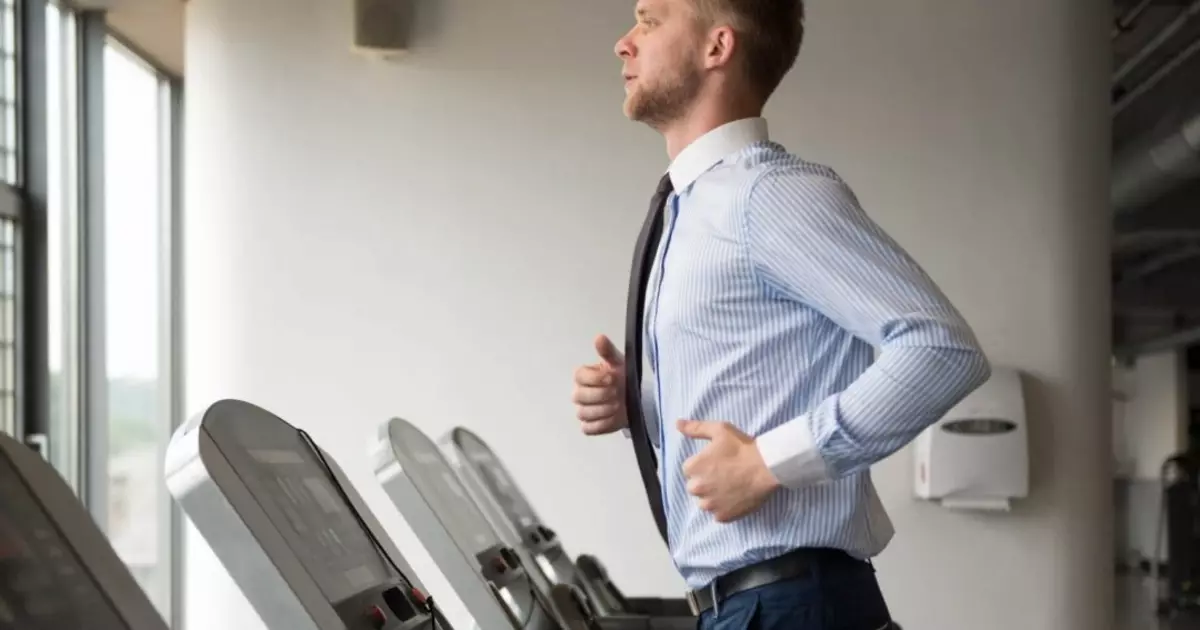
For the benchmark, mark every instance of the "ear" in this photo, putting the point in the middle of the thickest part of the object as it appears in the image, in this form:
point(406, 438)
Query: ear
point(720, 46)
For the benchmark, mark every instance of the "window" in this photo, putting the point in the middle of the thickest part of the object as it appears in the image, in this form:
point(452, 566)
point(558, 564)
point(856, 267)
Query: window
point(8, 98)
point(62, 243)
point(137, 315)
point(8, 333)
point(8, 220)
point(109, 352)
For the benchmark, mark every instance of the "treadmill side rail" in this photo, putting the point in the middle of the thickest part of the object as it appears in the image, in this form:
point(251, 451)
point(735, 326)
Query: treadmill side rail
point(572, 609)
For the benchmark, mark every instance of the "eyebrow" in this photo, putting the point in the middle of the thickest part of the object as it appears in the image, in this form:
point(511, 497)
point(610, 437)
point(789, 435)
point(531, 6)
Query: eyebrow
point(642, 11)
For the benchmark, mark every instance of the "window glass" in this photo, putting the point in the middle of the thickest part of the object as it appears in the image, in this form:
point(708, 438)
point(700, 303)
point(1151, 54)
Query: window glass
point(137, 389)
point(9, 147)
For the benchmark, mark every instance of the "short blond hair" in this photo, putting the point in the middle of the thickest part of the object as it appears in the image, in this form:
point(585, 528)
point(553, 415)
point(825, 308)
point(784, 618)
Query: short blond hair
point(769, 31)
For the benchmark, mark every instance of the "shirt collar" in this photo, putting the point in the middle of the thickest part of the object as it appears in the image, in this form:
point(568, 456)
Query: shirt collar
point(709, 149)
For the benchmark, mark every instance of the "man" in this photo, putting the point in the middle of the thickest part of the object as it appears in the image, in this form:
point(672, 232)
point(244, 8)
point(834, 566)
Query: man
point(758, 292)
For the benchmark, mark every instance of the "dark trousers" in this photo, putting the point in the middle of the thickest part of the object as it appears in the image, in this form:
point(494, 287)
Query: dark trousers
point(845, 598)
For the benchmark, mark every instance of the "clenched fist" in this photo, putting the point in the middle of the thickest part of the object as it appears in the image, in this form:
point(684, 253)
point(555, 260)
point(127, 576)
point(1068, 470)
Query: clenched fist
point(728, 476)
point(600, 391)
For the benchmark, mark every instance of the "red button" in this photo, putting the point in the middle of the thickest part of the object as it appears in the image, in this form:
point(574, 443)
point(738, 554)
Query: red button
point(375, 614)
point(418, 595)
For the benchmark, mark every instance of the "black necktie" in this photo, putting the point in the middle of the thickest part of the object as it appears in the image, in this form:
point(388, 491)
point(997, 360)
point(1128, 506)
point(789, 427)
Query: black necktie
point(639, 274)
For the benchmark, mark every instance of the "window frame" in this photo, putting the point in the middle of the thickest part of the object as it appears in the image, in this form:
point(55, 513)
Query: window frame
point(32, 181)
point(26, 200)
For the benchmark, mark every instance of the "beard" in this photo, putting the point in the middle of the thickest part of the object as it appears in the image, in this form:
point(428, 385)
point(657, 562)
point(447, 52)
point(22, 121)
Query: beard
point(664, 101)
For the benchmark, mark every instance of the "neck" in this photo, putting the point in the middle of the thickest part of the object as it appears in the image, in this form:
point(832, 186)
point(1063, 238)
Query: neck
point(700, 121)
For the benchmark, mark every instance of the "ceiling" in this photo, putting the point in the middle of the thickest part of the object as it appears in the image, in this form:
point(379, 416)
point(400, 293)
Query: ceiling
point(153, 27)
point(1156, 175)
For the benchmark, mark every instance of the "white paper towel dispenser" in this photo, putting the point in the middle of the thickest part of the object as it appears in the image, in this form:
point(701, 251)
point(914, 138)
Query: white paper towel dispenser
point(977, 455)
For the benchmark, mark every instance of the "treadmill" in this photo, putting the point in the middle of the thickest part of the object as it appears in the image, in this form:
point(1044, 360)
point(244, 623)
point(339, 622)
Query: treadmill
point(289, 527)
point(422, 482)
point(510, 513)
point(57, 569)
point(497, 588)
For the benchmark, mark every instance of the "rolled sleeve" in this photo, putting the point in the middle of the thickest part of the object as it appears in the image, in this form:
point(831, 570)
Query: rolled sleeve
point(791, 454)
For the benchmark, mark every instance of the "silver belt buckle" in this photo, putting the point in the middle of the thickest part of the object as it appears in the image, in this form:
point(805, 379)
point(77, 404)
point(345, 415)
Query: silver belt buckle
point(693, 605)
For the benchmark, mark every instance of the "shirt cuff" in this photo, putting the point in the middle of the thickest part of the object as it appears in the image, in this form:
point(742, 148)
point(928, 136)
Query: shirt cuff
point(790, 454)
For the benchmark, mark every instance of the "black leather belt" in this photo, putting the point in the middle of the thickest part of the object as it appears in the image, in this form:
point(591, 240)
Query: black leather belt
point(795, 564)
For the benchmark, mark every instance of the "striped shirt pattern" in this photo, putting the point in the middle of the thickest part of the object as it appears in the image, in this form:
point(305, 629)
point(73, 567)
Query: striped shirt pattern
point(770, 293)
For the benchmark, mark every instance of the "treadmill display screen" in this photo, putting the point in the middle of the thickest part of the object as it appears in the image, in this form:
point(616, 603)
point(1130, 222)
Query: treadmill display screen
point(433, 477)
point(488, 466)
point(43, 585)
point(285, 475)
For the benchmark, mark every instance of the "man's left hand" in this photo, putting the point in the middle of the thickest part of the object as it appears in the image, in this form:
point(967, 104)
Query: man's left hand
point(728, 475)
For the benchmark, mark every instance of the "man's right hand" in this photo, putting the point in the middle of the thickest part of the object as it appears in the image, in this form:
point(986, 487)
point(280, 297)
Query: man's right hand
point(600, 391)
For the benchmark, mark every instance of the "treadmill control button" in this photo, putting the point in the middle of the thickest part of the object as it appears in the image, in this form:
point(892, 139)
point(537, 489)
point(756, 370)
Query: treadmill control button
point(377, 617)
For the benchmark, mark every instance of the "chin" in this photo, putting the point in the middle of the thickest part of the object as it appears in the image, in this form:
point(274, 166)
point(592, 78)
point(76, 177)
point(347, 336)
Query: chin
point(634, 110)
point(634, 105)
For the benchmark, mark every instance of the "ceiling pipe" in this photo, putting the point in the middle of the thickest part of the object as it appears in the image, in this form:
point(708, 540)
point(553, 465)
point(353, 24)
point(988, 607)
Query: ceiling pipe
point(1151, 168)
point(1178, 59)
point(1123, 242)
point(1152, 46)
point(1162, 261)
point(1179, 339)
point(1124, 23)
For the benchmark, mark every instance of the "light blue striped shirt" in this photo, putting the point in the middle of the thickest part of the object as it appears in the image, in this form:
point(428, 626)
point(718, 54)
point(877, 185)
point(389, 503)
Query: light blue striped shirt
point(769, 294)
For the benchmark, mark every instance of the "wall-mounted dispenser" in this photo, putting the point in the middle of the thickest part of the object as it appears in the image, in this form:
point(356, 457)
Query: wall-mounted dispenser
point(976, 457)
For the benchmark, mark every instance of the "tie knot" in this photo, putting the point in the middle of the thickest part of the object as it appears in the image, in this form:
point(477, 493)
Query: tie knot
point(665, 187)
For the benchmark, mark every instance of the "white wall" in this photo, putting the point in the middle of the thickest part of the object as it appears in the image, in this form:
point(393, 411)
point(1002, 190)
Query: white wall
point(1150, 421)
point(1152, 418)
point(441, 237)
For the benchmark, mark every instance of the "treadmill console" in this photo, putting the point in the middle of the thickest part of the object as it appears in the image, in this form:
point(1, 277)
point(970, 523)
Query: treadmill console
point(57, 569)
point(478, 456)
point(511, 513)
point(293, 533)
point(506, 507)
point(487, 573)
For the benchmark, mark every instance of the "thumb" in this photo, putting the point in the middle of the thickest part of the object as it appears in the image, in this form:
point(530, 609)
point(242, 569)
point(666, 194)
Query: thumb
point(608, 351)
point(698, 429)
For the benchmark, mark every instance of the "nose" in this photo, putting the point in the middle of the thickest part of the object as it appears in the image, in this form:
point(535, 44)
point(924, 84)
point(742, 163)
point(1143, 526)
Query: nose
point(624, 48)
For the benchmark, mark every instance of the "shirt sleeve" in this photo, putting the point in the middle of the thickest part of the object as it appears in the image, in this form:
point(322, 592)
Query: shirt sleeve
point(809, 240)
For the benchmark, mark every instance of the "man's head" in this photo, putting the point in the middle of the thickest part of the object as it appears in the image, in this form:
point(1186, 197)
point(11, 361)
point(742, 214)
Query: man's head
point(717, 53)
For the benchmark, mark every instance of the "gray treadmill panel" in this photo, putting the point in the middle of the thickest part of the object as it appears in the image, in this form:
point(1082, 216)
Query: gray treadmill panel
point(57, 568)
point(282, 470)
point(481, 458)
point(433, 477)
point(43, 585)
